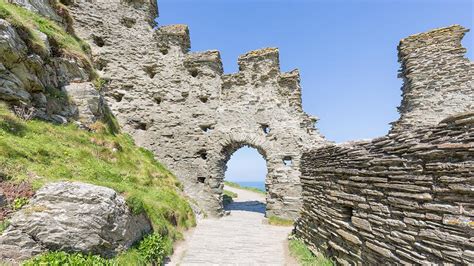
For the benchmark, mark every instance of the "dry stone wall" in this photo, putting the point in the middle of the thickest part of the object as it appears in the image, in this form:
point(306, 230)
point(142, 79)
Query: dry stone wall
point(181, 105)
point(408, 197)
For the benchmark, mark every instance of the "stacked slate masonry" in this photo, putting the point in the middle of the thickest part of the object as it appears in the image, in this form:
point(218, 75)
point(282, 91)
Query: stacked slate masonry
point(407, 197)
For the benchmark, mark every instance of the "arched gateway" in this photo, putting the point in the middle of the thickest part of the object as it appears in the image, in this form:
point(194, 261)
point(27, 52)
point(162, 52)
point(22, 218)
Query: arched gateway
point(192, 116)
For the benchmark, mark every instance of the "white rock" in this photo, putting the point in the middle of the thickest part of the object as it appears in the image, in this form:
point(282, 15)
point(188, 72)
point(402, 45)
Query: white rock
point(74, 217)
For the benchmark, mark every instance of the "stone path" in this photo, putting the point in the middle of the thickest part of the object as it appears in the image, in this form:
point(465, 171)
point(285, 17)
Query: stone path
point(240, 238)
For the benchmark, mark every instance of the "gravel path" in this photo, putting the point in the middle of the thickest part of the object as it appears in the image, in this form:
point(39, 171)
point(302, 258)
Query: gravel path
point(240, 238)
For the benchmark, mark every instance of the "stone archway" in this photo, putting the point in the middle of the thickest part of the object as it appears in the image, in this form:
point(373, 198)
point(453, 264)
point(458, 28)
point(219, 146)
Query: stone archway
point(283, 189)
point(224, 154)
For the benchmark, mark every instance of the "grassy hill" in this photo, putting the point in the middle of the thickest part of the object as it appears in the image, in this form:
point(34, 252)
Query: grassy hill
point(38, 152)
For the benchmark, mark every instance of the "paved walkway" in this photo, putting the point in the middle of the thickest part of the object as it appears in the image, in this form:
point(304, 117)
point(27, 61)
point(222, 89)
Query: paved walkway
point(240, 238)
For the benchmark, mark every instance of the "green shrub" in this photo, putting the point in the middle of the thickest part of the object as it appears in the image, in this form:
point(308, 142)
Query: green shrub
point(18, 203)
point(60, 258)
point(150, 251)
point(153, 249)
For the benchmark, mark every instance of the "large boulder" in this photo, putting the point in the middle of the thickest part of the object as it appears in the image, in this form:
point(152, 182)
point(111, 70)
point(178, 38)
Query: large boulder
point(74, 217)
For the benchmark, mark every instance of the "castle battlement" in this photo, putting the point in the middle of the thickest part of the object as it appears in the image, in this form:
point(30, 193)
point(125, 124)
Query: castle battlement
point(258, 60)
point(211, 59)
point(176, 35)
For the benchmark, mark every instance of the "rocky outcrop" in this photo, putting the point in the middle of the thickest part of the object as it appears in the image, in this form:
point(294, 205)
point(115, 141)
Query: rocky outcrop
point(74, 217)
point(181, 106)
point(88, 104)
point(408, 197)
point(35, 75)
point(42, 7)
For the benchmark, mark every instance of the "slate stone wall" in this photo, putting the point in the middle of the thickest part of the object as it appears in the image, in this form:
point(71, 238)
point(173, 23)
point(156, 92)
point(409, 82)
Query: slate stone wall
point(407, 197)
point(438, 80)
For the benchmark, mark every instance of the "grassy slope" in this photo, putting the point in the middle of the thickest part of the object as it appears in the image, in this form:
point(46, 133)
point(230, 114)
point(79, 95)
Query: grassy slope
point(235, 185)
point(40, 152)
point(305, 257)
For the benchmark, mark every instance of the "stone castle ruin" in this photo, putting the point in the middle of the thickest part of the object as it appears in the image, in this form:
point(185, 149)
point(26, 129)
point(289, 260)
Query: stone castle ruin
point(406, 197)
point(181, 106)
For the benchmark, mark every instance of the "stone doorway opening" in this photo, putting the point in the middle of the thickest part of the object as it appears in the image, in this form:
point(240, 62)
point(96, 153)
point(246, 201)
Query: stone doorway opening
point(245, 176)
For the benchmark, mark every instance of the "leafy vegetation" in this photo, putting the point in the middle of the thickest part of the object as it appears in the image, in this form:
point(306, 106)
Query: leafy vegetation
point(18, 203)
point(228, 197)
point(235, 185)
point(39, 152)
point(305, 257)
point(60, 258)
point(3, 225)
point(150, 251)
point(29, 23)
point(275, 220)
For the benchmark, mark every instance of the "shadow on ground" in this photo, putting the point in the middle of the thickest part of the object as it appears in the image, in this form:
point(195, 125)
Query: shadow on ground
point(249, 206)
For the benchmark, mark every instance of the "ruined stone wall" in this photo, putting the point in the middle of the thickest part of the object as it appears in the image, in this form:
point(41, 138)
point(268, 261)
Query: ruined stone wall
point(438, 80)
point(192, 116)
point(407, 197)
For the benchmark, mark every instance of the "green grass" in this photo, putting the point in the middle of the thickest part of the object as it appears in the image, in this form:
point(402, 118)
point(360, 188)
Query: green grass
point(235, 185)
point(40, 152)
point(230, 194)
point(228, 197)
point(305, 257)
point(29, 23)
point(278, 221)
point(3, 225)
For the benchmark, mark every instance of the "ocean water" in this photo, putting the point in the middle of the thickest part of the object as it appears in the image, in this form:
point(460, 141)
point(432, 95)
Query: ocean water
point(259, 185)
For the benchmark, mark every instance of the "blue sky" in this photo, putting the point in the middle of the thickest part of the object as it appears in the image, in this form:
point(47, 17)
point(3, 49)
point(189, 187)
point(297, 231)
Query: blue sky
point(345, 51)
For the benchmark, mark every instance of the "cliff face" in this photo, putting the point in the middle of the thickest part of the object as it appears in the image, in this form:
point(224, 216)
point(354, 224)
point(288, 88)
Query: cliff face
point(405, 198)
point(182, 107)
point(45, 70)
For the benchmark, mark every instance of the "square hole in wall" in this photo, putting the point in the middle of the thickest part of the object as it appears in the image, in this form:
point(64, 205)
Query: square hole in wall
point(206, 128)
point(203, 99)
point(266, 129)
point(203, 154)
point(201, 179)
point(288, 161)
